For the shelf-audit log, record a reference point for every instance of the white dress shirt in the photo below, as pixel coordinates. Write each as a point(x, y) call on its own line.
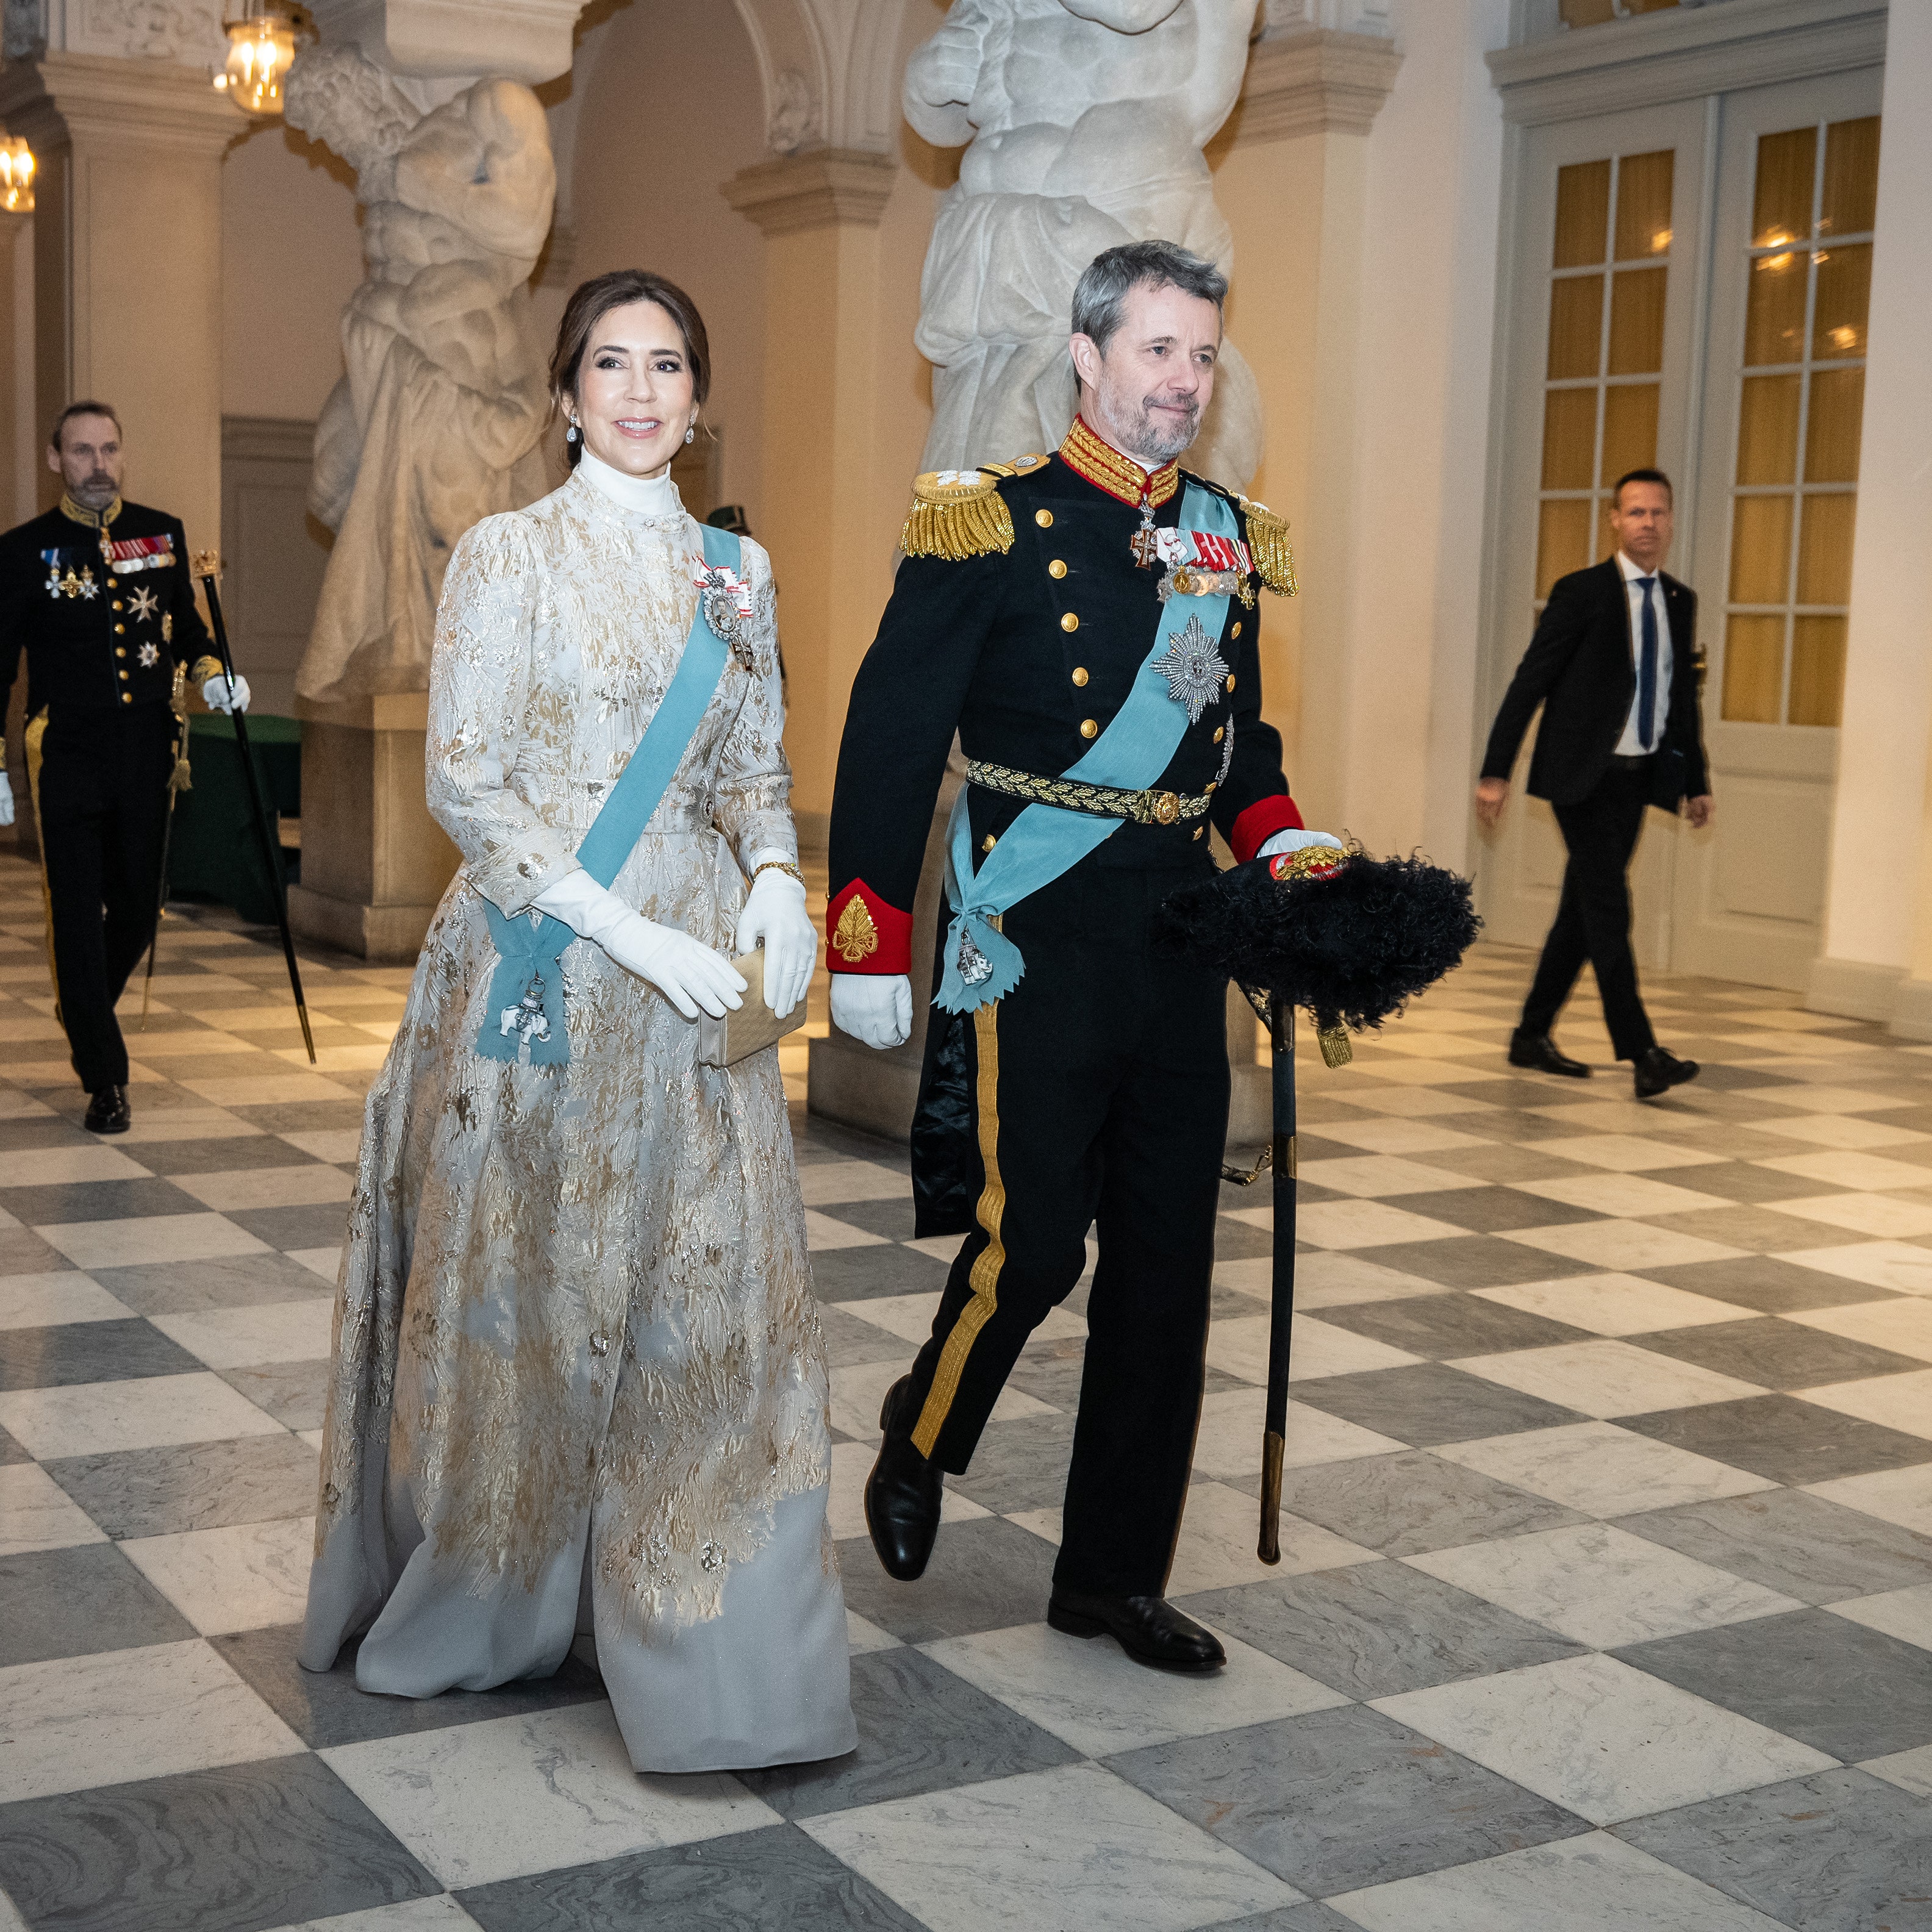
point(1631, 745)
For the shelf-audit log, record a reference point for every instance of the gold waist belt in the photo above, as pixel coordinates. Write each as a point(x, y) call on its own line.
point(1144, 807)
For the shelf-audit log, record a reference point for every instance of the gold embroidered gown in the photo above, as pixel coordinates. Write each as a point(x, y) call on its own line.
point(579, 1380)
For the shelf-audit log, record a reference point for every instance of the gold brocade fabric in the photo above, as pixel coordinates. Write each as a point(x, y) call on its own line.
point(1095, 458)
point(580, 1291)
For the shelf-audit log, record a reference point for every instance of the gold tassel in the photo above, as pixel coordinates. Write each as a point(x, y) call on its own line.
point(1336, 1051)
point(956, 513)
point(1274, 560)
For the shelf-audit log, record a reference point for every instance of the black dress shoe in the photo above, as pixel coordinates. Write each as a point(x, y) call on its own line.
point(1539, 1050)
point(107, 1112)
point(1657, 1071)
point(905, 1491)
point(1150, 1629)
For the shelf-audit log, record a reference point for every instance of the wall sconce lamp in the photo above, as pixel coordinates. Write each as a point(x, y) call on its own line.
point(16, 176)
point(261, 47)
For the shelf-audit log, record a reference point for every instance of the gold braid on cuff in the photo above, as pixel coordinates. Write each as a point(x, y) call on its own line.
point(1144, 807)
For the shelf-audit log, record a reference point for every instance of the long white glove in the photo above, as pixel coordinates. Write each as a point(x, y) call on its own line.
point(688, 974)
point(214, 694)
point(6, 798)
point(775, 917)
point(874, 1008)
point(1294, 842)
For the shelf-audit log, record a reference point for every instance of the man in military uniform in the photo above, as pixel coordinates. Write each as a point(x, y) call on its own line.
point(1086, 622)
point(98, 594)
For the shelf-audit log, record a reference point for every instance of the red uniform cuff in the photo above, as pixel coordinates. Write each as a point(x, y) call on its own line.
point(1261, 822)
point(865, 934)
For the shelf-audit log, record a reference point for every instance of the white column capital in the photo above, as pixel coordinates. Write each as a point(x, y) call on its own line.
point(60, 98)
point(823, 187)
point(1314, 80)
point(529, 40)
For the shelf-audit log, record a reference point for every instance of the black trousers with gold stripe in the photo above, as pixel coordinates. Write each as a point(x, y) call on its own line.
point(1099, 1093)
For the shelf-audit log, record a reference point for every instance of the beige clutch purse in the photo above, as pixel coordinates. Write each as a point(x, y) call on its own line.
point(725, 1042)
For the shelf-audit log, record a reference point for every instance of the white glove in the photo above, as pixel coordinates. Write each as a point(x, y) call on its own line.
point(775, 917)
point(6, 798)
point(688, 974)
point(1294, 842)
point(214, 694)
point(874, 1008)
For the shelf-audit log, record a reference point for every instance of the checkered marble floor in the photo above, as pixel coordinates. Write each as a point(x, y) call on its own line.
point(1607, 1591)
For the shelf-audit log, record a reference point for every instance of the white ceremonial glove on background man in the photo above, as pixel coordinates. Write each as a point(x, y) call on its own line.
point(6, 798)
point(214, 694)
point(775, 917)
point(1294, 842)
point(874, 1008)
point(688, 974)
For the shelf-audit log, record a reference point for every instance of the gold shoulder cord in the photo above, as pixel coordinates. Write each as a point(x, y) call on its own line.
point(956, 513)
point(1267, 543)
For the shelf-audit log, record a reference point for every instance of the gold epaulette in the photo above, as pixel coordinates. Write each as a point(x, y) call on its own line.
point(956, 513)
point(1267, 543)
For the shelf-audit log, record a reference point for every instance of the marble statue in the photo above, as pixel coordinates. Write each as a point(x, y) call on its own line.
point(436, 423)
point(1085, 121)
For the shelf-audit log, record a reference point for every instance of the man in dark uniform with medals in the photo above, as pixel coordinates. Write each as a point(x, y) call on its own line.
point(98, 594)
point(1087, 622)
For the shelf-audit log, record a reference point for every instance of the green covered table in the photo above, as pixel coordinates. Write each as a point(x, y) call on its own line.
point(216, 853)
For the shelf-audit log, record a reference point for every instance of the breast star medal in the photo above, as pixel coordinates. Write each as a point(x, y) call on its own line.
point(145, 603)
point(150, 656)
point(1194, 668)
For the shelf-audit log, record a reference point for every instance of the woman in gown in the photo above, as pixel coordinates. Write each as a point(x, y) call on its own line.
point(579, 1381)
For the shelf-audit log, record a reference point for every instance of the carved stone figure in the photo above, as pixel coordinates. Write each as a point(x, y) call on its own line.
point(435, 425)
point(1086, 120)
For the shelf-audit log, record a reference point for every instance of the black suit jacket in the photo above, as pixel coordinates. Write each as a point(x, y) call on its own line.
point(1581, 669)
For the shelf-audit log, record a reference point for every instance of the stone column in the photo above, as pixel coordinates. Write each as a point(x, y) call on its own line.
point(17, 496)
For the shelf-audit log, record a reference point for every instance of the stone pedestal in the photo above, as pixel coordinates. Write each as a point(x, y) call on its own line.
point(374, 862)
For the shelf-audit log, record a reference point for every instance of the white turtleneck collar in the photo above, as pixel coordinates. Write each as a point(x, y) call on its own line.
point(643, 496)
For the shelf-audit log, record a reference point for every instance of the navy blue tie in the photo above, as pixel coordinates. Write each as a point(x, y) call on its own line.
point(1646, 670)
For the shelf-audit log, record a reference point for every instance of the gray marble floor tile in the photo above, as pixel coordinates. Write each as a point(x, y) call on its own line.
point(94, 1201)
point(1497, 1161)
point(850, 1342)
point(1235, 1240)
point(238, 1281)
point(857, 1274)
point(1759, 1229)
point(325, 1709)
point(192, 1485)
point(1815, 1550)
point(1837, 1851)
point(10, 1451)
point(984, 1575)
point(1403, 1504)
point(1049, 1369)
point(1748, 1186)
point(1342, 1798)
point(1431, 1403)
point(88, 1351)
point(1477, 1261)
point(1312, 1917)
point(1020, 1465)
point(892, 1218)
point(238, 1849)
point(1778, 1354)
point(283, 1228)
point(1489, 1211)
point(1440, 1326)
point(1374, 1629)
point(22, 1252)
point(1832, 1684)
point(304, 1117)
point(1782, 1438)
point(1766, 1283)
point(776, 1877)
point(296, 1393)
point(72, 1602)
point(921, 1728)
point(221, 1156)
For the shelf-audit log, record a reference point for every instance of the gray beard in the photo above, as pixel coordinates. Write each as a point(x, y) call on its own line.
point(94, 495)
point(1144, 438)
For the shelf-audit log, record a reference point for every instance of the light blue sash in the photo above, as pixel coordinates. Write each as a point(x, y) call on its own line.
point(1046, 840)
point(527, 987)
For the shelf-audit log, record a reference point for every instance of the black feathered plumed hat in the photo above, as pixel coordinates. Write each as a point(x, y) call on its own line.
point(1350, 937)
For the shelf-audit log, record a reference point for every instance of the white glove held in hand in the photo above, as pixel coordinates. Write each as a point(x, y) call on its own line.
point(775, 917)
point(6, 798)
point(1294, 842)
point(874, 1008)
point(214, 694)
point(688, 974)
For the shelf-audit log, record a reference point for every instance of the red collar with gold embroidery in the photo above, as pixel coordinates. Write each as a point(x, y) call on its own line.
point(1104, 466)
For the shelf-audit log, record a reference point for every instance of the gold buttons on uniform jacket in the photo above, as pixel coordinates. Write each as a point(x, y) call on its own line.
point(1237, 631)
point(1088, 729)
point(1044, 518)
point(987, 844)
point(126, 697)
point(1070, 622)
point(1079, 674)
point(121, 651)
point(1220, 732)
point(117, 603)
point(1231, 684)
point(1198, 830)
point(119, 629)
point(1213, 784)
point(1056, 568)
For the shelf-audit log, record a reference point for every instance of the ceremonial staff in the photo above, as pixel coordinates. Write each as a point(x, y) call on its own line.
point(207, 568)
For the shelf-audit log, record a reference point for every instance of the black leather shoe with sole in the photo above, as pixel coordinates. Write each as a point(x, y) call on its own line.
point(107, 1112)
point(1149, 1629)
point(905, 1491)
point(1539, 1050)
point(1657, 1071)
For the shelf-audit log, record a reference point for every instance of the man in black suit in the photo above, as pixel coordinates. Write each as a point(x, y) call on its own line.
point(1613, 664)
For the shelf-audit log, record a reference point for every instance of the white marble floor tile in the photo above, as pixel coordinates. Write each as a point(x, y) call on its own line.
point(851, 1464)
point(1608, 1741)
point(1417, 1103)
point(1606, 1377)
point(495, 1800)
point(242, 1577)
point(1240, 1347)
point(18, 1027)
point(48, 1300)
point(1602, 1470)
point(823, 1234)
point(1849, 1132)
point(1625, 1153)
point(1355, 1224)
point(1100, 1701)
point(183, 1042)
point(1904, 1614)
point(59, 1167)
point(326, 1262)
point(1822, 1100)
point(1368, 1175)
point(909, 1318)
point(150, 1237)
point(857, 1393)
point(1903, 1496)
point(270, 1090)
point(15, 1105)
point(338, 1145)
point(1630, 1195)
point(1848, 1169)
point(1397, 1137)
point(1597, 1118)
point(941, 1247)
point(240, 1338)
point(1903, 1326)
point(1219, 1535)
point(248, 1187)
point(1046, 1524)
point(1909, 1770)
point(1075, 1848)
point(1885, 1217)
point(1897, 1265)
point(1618, 1246)
point(91, 1418)
point(1331, 1278)
point(1228, 1442)
point(36, 1513)
point(1614, 1304)
point(440, 1912)
point(826, 1182)
point(188, 1123)
point(1592, 1884)
point(862, 1636)
point(1601, 1585)
point(77, 1722)
point(1420, 1073)
point(1903, 1402)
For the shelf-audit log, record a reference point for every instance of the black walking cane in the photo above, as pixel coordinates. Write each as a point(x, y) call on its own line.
point(1351, 938)
point(207, 568)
